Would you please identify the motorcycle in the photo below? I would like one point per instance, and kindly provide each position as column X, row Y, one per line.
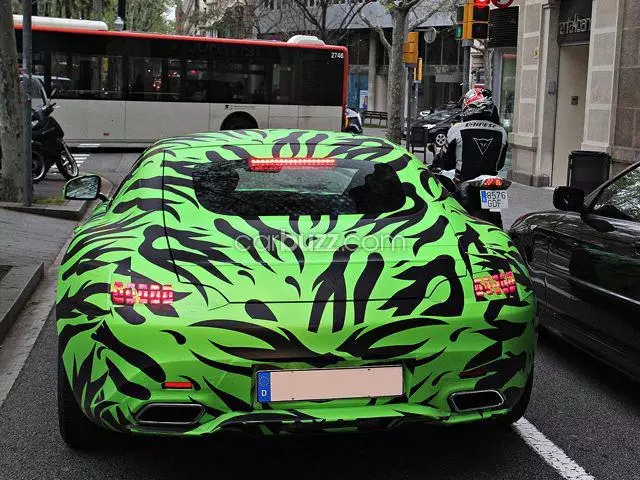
column 483, row 197
column 48, row 146
column 353, row 122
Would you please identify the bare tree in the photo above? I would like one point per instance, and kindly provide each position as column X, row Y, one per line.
column 406, row 16
column 329, row 20
column 315, row 13
column 10, row 109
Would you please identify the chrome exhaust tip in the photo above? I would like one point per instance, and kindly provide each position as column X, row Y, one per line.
column 475, row 400
column 169, row 414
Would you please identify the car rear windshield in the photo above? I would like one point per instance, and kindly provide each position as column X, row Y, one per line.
column 296, row 187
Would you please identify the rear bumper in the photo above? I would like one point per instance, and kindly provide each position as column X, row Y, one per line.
column 118, row 369
column 322, row 419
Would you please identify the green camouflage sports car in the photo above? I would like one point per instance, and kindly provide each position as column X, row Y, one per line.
column 282, row 281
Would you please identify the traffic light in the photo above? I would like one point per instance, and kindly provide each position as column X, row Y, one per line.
column 472, row 20
column 460, row 21
column 479, row 21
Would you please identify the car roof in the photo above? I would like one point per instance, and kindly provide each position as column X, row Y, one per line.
column 269, row 137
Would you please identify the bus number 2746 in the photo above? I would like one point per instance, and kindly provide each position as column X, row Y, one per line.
column 337, row 54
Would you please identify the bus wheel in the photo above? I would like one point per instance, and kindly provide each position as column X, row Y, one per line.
column 239, row 121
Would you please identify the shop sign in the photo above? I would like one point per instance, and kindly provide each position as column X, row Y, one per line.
column 575, row 21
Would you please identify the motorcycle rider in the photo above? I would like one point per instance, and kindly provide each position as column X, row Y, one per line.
column 477, row 145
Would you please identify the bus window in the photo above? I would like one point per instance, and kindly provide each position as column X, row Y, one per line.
column 154, row 79
column 197, row 81
column 86, row 76
column 239, row 82
column 283, row 85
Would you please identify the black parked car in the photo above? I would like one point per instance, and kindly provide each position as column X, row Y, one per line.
column 585, row 264
column 438, row 124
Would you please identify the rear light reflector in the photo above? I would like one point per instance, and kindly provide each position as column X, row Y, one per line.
column 144, row 293
column 488, row 286
column 177, row 385
column 478, row 372
column 277, row 164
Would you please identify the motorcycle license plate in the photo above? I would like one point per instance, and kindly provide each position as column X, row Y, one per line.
column 494, row 199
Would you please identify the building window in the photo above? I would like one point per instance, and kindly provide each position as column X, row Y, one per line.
column 507, row 90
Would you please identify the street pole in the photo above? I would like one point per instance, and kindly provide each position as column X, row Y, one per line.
column 27, row 180
column 416, row 88
column 466, row 66
column 410, row 104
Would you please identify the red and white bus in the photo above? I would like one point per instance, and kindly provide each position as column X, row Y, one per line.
column 130, row 88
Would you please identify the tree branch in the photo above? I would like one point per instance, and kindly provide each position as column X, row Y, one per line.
column 301, row 6
column 409, row 5
column 378, row 29
column 426, row 16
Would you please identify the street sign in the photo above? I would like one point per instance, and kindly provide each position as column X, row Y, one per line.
column 501, row 3
column 430, row 34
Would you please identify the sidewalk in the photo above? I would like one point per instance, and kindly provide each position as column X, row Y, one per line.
column 29, row 245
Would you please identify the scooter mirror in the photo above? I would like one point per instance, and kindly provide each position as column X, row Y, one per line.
column 446, row 183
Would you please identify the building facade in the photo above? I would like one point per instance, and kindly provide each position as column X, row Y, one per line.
column 502, row 54
column 368, row 58
column 576, row 86
column 218, row 18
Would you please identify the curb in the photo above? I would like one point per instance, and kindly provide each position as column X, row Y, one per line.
column 19, row 283
column 73, row 210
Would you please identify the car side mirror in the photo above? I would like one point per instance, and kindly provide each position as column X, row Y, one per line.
column 569, row 199
column 86, row 187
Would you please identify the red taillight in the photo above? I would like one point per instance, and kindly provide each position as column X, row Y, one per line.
column 143, row 293
column 491, row 285
column 492, row 182
column 276, row 164
column 177, row 385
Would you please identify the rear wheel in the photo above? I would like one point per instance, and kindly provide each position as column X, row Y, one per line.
column 38, row 168
column 440, row 139
column 75, row 428
column 239, row 121
column 67, row 164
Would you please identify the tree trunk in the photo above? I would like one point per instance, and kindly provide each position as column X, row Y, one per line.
column 10, row 109
column 397, row 78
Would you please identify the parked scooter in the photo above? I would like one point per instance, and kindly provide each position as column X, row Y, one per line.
column 48, row 146
column 484, row 197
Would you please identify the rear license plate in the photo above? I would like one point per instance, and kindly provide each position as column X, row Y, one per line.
column 494, row 199
column 328, row 384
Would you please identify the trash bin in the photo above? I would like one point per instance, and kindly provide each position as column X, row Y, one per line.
column 588, row 170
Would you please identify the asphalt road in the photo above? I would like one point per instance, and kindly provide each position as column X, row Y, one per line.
column 583, row 407
column 580, row 406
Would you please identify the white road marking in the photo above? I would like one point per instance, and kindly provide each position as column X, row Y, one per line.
column 549, row 452
column 88, row 145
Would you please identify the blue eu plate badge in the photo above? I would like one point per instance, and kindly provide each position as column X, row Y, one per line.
column 264, row 387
